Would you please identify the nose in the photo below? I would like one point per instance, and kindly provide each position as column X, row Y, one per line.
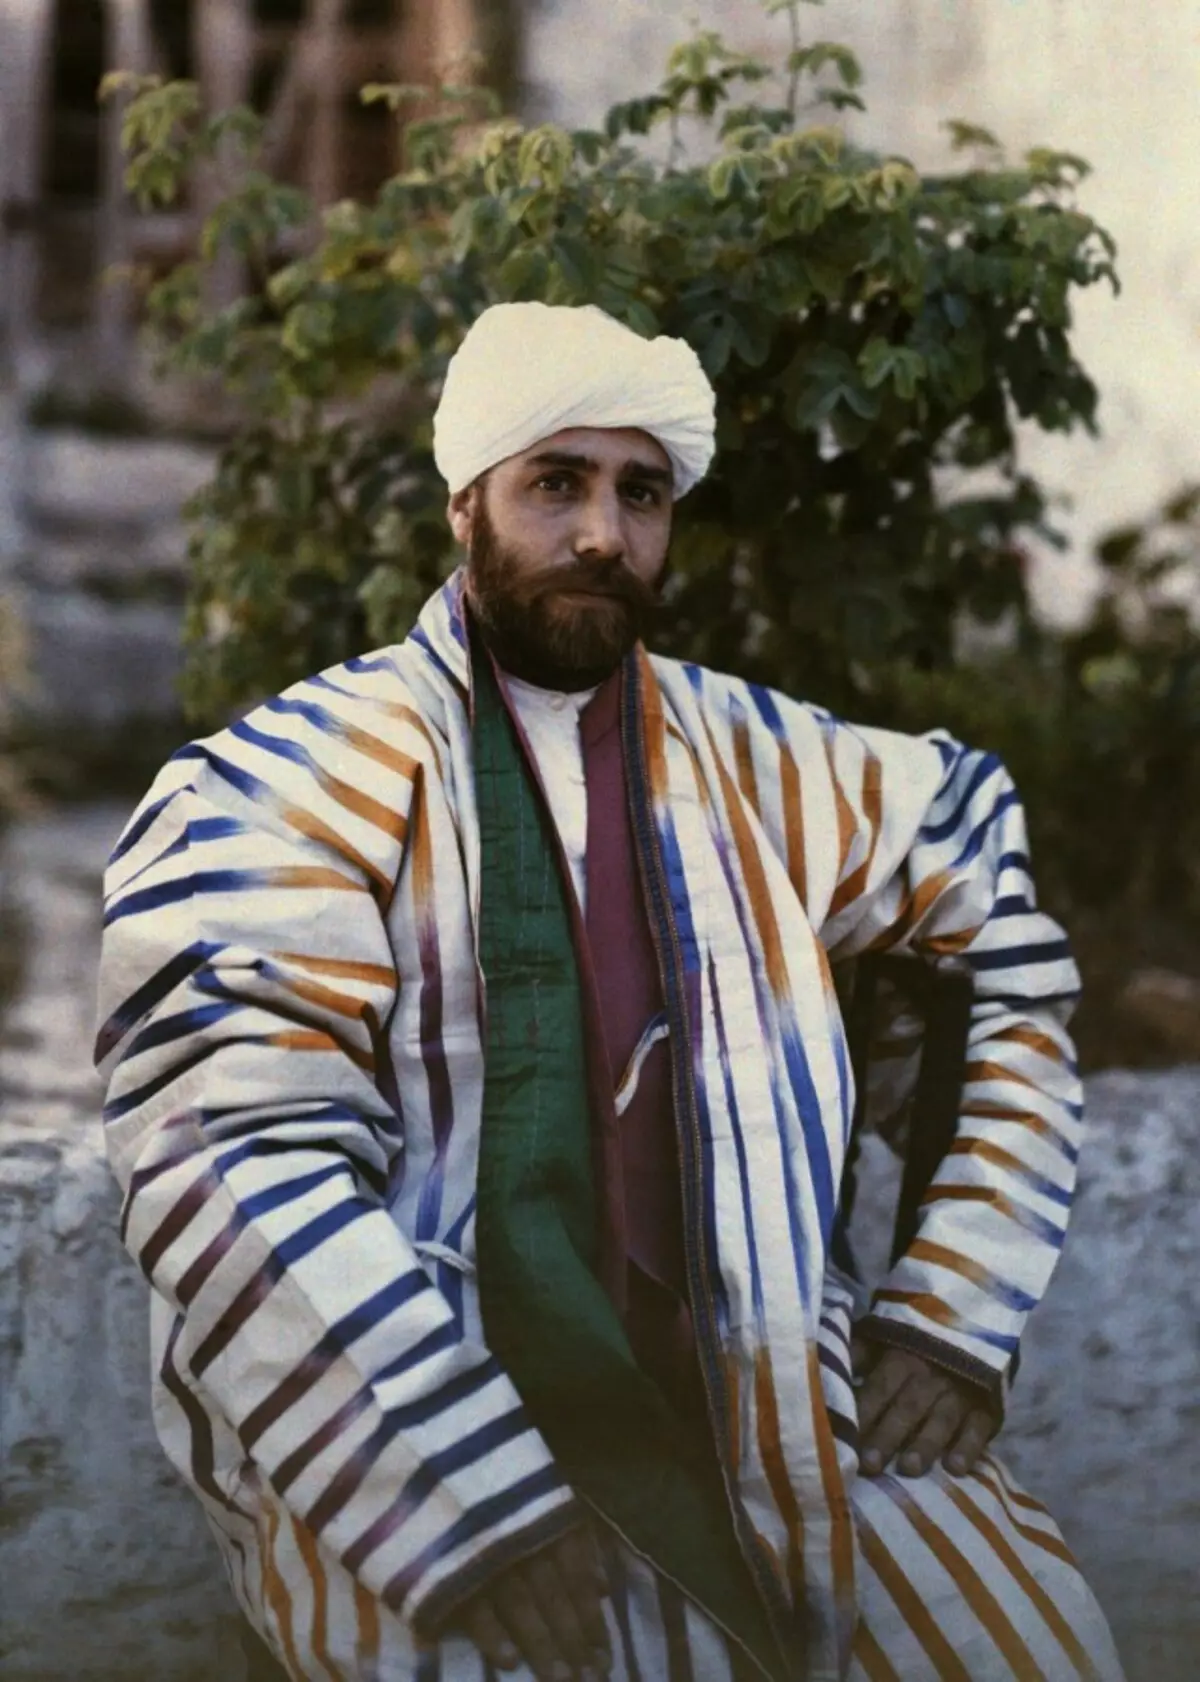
column 600, row 532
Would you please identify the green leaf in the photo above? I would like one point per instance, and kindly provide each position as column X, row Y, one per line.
column 475, row 94
column 640, row 317
column 241, row 125
column 799, row 204
column 818, row 379
column 579, row 264
column 841, row 99
column 288, row 284
column 294, row 489
column 757, row 121
column 723, row 174
column 753, row 333
column 826, row 143
column 881, row 361
column 812, row 60
column 899, row 182
column 545, row 156
column 395, row 95
column 966, row 137
column 308, row 328
column 636, row 116
column 714, row 348
column 836, row 191
column 524, row 274
column 590, row 145
column 1065, row 169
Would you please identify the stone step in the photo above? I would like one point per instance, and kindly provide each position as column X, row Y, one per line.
column 93, row 560
column 78, row 482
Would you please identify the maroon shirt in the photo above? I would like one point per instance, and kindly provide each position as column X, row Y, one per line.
column 629, row 991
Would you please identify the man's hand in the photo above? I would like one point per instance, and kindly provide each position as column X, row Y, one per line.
column 545, row 1610
column 910, row 1408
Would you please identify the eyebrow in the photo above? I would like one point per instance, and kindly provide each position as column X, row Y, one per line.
column 631, row 469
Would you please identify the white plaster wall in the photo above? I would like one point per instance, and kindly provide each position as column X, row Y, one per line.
column 1117, row 84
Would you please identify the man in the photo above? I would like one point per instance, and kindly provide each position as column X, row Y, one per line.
column 480, row 1095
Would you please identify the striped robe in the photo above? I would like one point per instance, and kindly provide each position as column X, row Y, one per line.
column 291, row 1031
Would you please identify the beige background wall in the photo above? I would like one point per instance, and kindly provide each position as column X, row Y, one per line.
column 1118, row 84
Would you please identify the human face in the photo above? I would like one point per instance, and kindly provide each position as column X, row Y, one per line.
column 566, row 552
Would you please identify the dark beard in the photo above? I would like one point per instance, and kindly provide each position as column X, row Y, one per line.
column 538, row 634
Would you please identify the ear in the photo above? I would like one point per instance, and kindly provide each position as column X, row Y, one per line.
column 460, row 511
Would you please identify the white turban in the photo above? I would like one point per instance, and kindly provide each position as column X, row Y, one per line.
column 527, row 371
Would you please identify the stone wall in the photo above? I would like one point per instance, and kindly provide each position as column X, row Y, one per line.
column 106, row 1566
column 107, row 1573
column 92, row 555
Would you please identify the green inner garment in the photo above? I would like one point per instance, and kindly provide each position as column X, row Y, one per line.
column 546, row 1315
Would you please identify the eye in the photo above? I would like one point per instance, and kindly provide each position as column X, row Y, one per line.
column 646, row 496
column 555, row 483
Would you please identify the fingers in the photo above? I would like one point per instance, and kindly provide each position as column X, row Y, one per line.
column 581, row 1561
column 893, row 1427
column 547, row 1612
column 884, row 1382
column 556, row 1605
column 587, row 1584
column 522, row 1618
column 899, row 1395
column 909, row 1408
column 864, row 1353
column 933, row 1435
column 482, row 1627
column 976, row 1433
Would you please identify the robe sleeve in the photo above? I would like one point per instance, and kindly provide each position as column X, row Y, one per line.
column 940, row 866
column 918, row 844
column 247, row 982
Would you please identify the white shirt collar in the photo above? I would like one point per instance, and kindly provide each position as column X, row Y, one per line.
column 557, row 701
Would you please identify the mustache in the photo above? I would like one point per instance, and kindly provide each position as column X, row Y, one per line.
column 612, row 579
